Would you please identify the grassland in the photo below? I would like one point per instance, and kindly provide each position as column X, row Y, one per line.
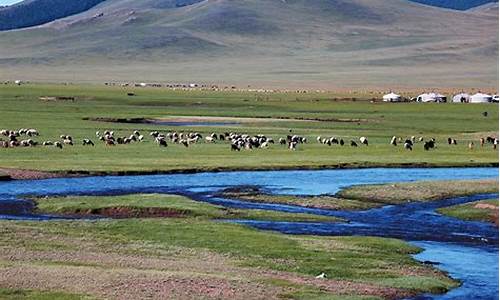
column 397, row 193
column 194, row 257
column 485, row 210
column 160, row 205
column 20, row 294
column 191, row 255
column 361, row 197
column 324, row 116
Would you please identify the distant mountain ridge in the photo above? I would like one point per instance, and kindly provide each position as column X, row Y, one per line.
column 37, row 12
column 272, row 42
column 455, row 4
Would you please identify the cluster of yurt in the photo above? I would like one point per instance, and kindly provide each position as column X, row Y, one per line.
column 440, row 98
column 431, row 97
column 391, row 97
column 476, row 98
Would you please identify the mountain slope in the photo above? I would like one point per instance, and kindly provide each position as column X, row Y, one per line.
column 36, row 12
column 455, row 4
column 280, row 43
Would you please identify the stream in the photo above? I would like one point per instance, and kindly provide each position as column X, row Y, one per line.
column 468, row 251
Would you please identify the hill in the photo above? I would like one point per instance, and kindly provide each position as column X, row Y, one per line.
column 35, row 12
column 313, row 43
column 455, row 4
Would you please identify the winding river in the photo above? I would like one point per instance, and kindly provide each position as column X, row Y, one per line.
column 467, row 250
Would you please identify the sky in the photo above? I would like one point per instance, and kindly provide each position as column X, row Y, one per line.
column 8, row 2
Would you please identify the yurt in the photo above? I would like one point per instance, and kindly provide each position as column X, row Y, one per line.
column 481, row 98
column 392, row 97
column 431, row 97
column 461, row 98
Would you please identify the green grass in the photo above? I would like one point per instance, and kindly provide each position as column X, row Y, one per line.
column 395, row 193
column 372, row 260
column 469, row 212
column 254, row 194
column 379, row 122
column 361, row 197
column 20, row 294
column 138, row 205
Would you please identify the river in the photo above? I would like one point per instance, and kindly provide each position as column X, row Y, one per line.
column 467, row 250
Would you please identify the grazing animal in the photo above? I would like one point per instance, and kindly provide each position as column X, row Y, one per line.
column 421, row 139
column 185, row 143
column 32, row 132
column 321, row 276
column 471, row 145
column 292, row 146
column 48, row 143
column 68, row 142
column 235, row 147
column 453, row 142
column 449, row 141
column 429, row 145
column 162, row 143
column 394, row 141
column 209, row 139
column 58, row 145
column 341, row 142
column 110, row 142
column 363, row 140
column 481, row 141
column 319, row 139
column 354, row 144
column 408, row 146
column 282, row 141
column 88, row 142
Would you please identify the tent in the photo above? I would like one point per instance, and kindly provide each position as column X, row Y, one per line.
column 481, row 98
column 461, row 98
column 392, row 97
column 431, row 97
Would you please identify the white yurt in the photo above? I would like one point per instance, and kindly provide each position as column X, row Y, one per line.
column 392, row 97
column 461, row 98
column 481, row 98
column 431, row 97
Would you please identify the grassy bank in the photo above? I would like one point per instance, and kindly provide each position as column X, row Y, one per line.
column 188, row 256
column 21, row 294
column 396, row 193
column 254, row 194
column 485, row 210
column 370, row 196
column 273, row 114
column 160, row 205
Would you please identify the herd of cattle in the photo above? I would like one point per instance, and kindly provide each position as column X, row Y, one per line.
column 24, row 137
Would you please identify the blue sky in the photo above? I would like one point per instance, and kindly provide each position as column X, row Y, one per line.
column 7, row 2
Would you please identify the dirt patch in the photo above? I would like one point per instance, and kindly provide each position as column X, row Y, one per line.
column 177, row 275
column 486, row 206
column 30, row 174
column 255, row 194
column 122, row 212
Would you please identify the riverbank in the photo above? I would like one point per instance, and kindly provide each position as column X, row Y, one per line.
column 25, row 174
column 195, row 258
column 158, row 206
column 486, row 211
column 363, row 197
column 298, row 115
column 187, row 254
